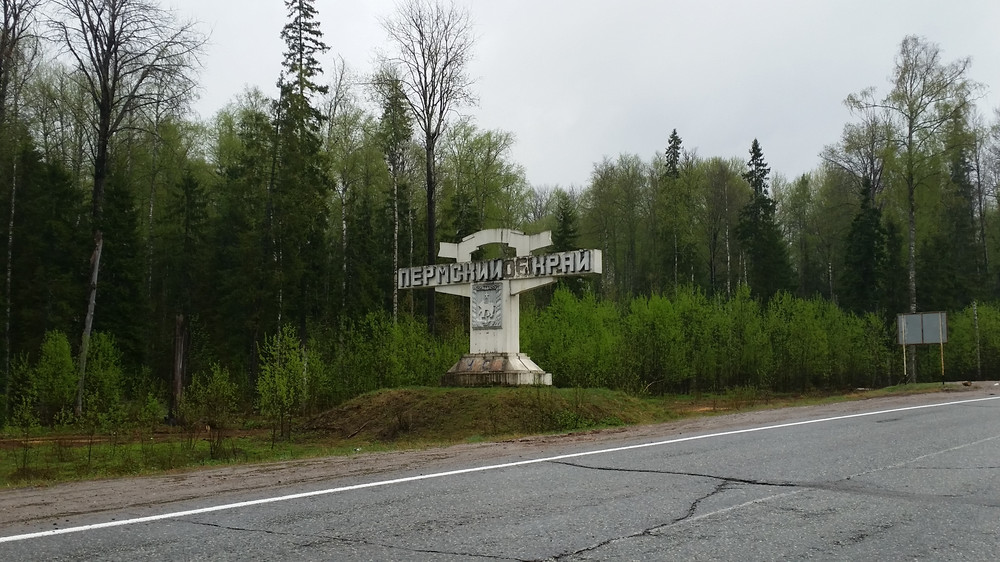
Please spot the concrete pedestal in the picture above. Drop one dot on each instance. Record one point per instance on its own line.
(495, 369)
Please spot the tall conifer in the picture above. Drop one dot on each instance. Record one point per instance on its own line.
(768, 268)
(297, 196)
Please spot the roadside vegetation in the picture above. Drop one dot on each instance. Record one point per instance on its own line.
(372, 384)
(384, 420)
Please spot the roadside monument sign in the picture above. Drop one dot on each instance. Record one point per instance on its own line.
(493, 288)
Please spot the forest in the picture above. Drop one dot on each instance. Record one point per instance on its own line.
(163, 265)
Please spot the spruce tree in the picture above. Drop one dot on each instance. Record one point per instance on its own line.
(948, 261)
(567, 223)
(123, 298)
(240, 256)
(298, 189)
(864, 280)
(673, 218)
(673, 156)
(46, 288)
(301, 69)
(758, 170)
(768, 269)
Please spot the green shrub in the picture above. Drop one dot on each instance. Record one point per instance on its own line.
(376, 352)
(580, 341)
(54, 377)
(211, 400)
(105, 377)
(24, 419)
(690, 343)
(281, 386)
(655, 344)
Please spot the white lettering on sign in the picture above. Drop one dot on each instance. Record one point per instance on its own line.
(575, 262)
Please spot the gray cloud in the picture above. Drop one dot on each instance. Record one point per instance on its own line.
(577, 80)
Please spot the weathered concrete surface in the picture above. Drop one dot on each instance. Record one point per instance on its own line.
(495, 369)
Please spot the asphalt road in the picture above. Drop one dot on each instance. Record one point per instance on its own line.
(916, 483)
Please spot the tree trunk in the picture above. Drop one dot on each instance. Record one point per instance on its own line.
(431, 224)
(675, 263)
(912, 267)
(395, 245)
(273, 213)
(152, 202)
(9, 277)
(411, 216)
(343, 249)
(981, 207)
(729, 267)
(729, 256)
(95, 268)
(713, 247)
(180, 351)
(97, 216)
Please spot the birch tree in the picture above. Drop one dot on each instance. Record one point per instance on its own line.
(123, 50)
(396, 132)
(864, 146)
(16, 42)
(433, 47)
(927, 94)
(16, 32)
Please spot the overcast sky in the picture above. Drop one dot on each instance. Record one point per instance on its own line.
(578, 80)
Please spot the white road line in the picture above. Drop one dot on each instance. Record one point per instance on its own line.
(380, 483)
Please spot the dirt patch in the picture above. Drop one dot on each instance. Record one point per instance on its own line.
(137, 495)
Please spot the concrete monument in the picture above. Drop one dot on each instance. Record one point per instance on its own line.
(493, 288)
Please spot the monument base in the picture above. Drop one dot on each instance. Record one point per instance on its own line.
(496, 369)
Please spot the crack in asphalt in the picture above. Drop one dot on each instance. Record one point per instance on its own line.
(327, 538)
(845, 485)
(646, 532)
(730, 479)
(722, 486)
(725, 483)
(842, 486)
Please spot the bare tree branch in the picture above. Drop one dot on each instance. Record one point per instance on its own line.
(433, 49)
(126, 53)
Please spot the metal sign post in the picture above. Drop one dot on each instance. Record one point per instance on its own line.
(923, 328)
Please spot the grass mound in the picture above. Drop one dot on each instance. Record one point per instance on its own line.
(455, 414)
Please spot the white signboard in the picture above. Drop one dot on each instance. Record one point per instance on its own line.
(922, 328)
(575, 262)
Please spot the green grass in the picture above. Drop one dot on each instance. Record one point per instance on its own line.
(404, 418)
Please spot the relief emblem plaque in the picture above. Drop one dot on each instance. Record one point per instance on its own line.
(486, 306)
